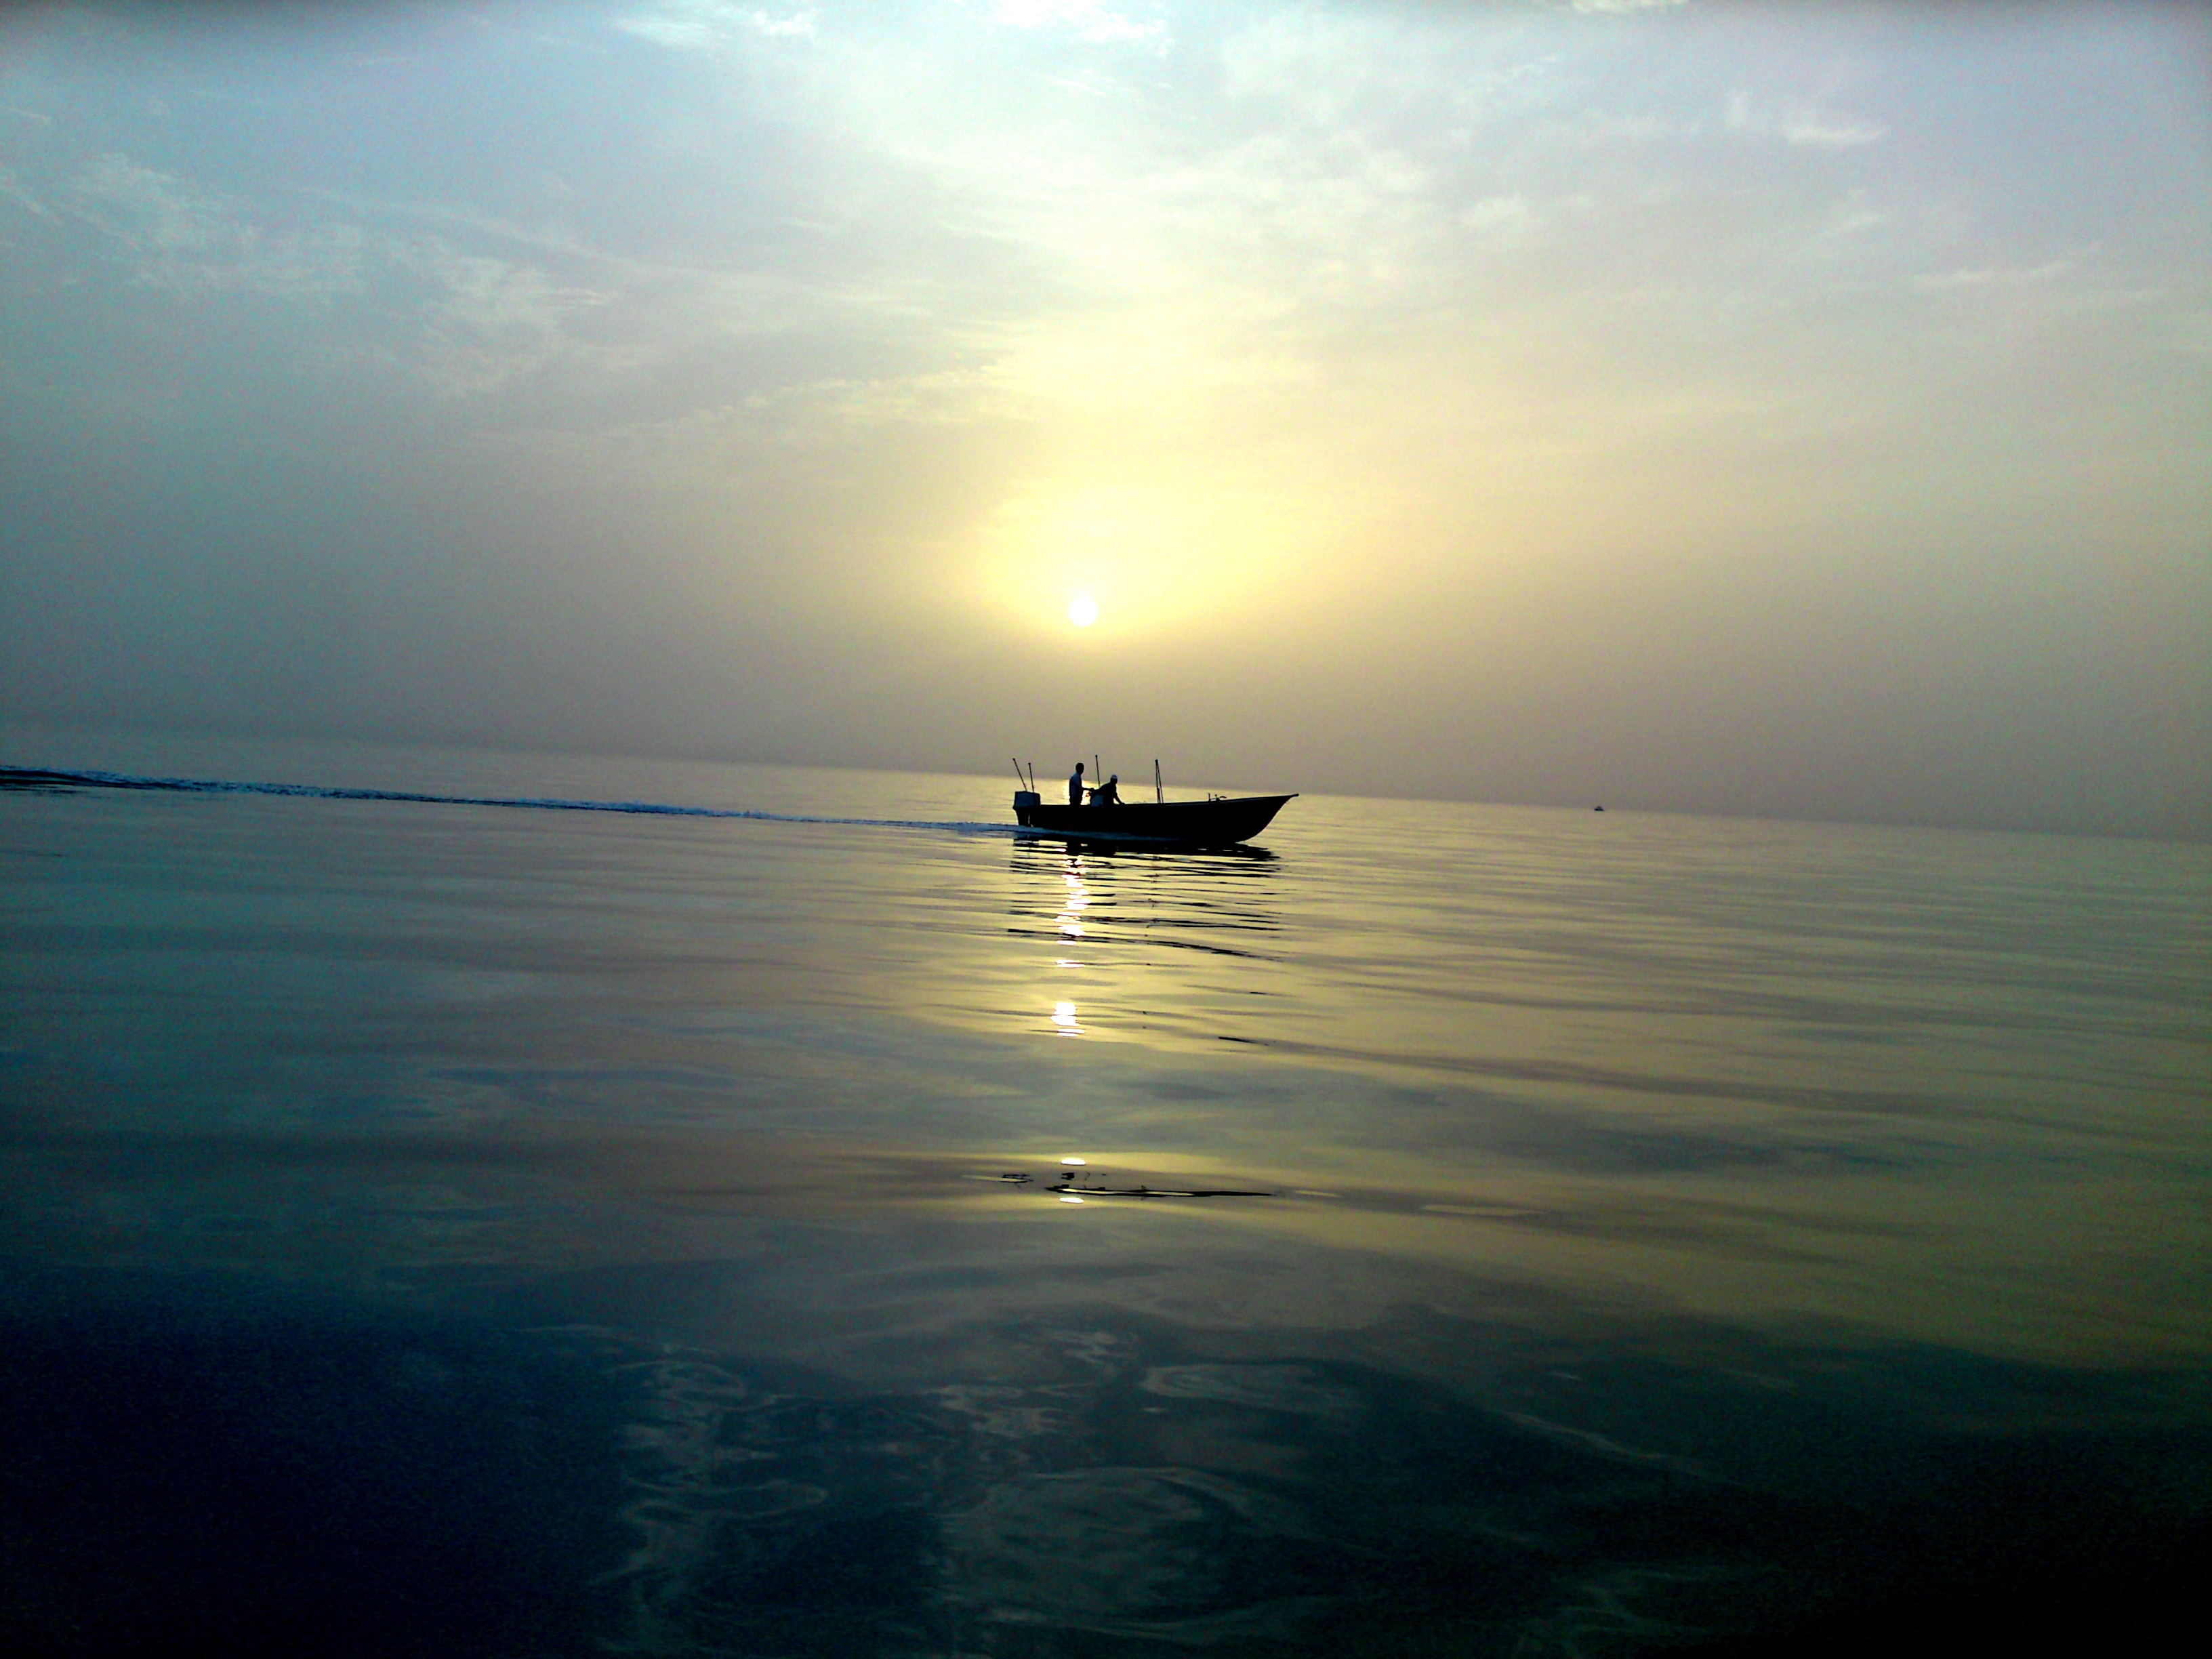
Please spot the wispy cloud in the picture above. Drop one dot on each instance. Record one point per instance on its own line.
(485, 321)
(1505, 217)
(1805, 126)
(15, 190)
(1086, 19)
(185, 238)
(1822, 132)
(1852, 217)
(694, 25)
(1994, 276)
(463, 321)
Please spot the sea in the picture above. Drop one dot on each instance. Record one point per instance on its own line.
(474, 1204)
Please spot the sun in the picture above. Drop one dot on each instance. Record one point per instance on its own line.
(1083, 610)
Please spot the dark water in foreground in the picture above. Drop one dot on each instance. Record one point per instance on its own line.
(461, 1230)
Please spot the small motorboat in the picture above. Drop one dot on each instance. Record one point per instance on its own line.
(1221, 821)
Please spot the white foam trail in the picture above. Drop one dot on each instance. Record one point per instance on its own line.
(48, 777)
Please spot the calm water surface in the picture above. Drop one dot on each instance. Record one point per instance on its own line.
(457, 1228)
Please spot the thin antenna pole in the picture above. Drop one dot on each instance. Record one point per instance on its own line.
(1018, 772)
(1159, 790)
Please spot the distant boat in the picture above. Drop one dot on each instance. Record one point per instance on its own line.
(1222, 822)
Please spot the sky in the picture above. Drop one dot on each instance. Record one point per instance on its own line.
(1729, 408)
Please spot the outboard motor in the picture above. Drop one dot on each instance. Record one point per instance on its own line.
(1026, 801)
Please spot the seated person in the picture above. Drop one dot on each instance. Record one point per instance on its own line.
(1107, 793)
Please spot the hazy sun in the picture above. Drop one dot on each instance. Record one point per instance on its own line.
(1083, 610)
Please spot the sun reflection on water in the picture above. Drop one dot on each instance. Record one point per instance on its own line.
(1078, 900)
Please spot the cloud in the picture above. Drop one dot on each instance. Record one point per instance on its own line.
(186, 240)
(16, 191)
(1818, 132)
(1506, 218)
(460, 320)
(154, 212)
(696, 25)
(483, 320)
(1993, 276)
(769, 425)
(1086, 19)
(1599, 127)
(1851, 216)
(1804, 126)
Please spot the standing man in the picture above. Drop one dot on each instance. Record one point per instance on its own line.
(1075, 786)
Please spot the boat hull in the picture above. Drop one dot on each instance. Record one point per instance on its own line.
(1177, 822)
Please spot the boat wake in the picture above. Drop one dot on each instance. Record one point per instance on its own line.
(41, 779)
